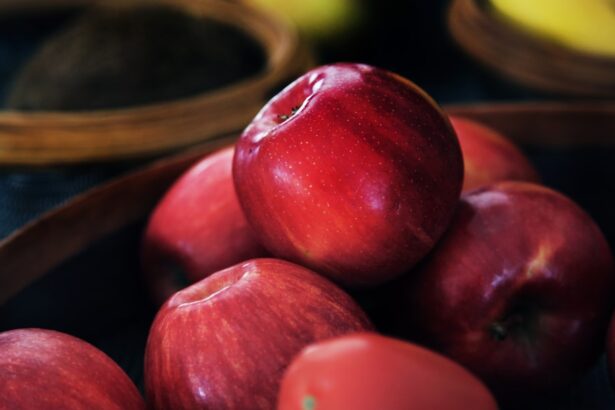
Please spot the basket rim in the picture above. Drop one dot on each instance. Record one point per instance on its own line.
(58, 137)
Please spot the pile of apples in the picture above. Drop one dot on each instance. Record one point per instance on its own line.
(500, 289)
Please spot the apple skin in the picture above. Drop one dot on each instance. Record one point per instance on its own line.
(225, 341)
(44, 369)
(488, 156)
(197, 228)
(352, 171)
(365, 371)
(519, 290)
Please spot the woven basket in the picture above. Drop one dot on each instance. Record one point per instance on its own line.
(53, 138)
(526, 59)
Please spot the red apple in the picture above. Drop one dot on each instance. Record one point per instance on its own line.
(225, 341)
(197, 228)
(488, 156)
(352, 171)
(44, 369)
(519, 290)
(365, 371)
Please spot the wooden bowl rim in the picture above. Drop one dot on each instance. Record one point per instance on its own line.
(58, 137)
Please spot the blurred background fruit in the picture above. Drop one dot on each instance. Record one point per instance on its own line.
(557, 48)
(319, 20)
(584, 25)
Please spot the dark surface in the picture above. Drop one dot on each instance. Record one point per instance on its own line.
(26, 194)
(99, 295)
(586, 175)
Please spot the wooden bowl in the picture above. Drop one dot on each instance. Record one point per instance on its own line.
(51, 273)
(526, 59)
(52, 138)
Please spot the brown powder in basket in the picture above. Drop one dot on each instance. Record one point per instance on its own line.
(118, 57)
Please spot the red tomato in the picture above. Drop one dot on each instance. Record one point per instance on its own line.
(365, 371)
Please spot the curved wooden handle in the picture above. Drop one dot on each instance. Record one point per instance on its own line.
(43, 244)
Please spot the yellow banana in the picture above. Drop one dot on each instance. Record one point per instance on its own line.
(584, 25)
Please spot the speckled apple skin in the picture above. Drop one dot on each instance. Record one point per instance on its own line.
(524, 255)
(197, 228)
(489, 156)
(43, 369)
(358, 183)
(224, 342)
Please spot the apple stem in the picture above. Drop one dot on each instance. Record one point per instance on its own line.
(519, 321)
(498, 331)
(293, 111)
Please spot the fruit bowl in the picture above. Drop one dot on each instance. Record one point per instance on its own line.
(76, 269)
(56, 138)
(527, 59)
